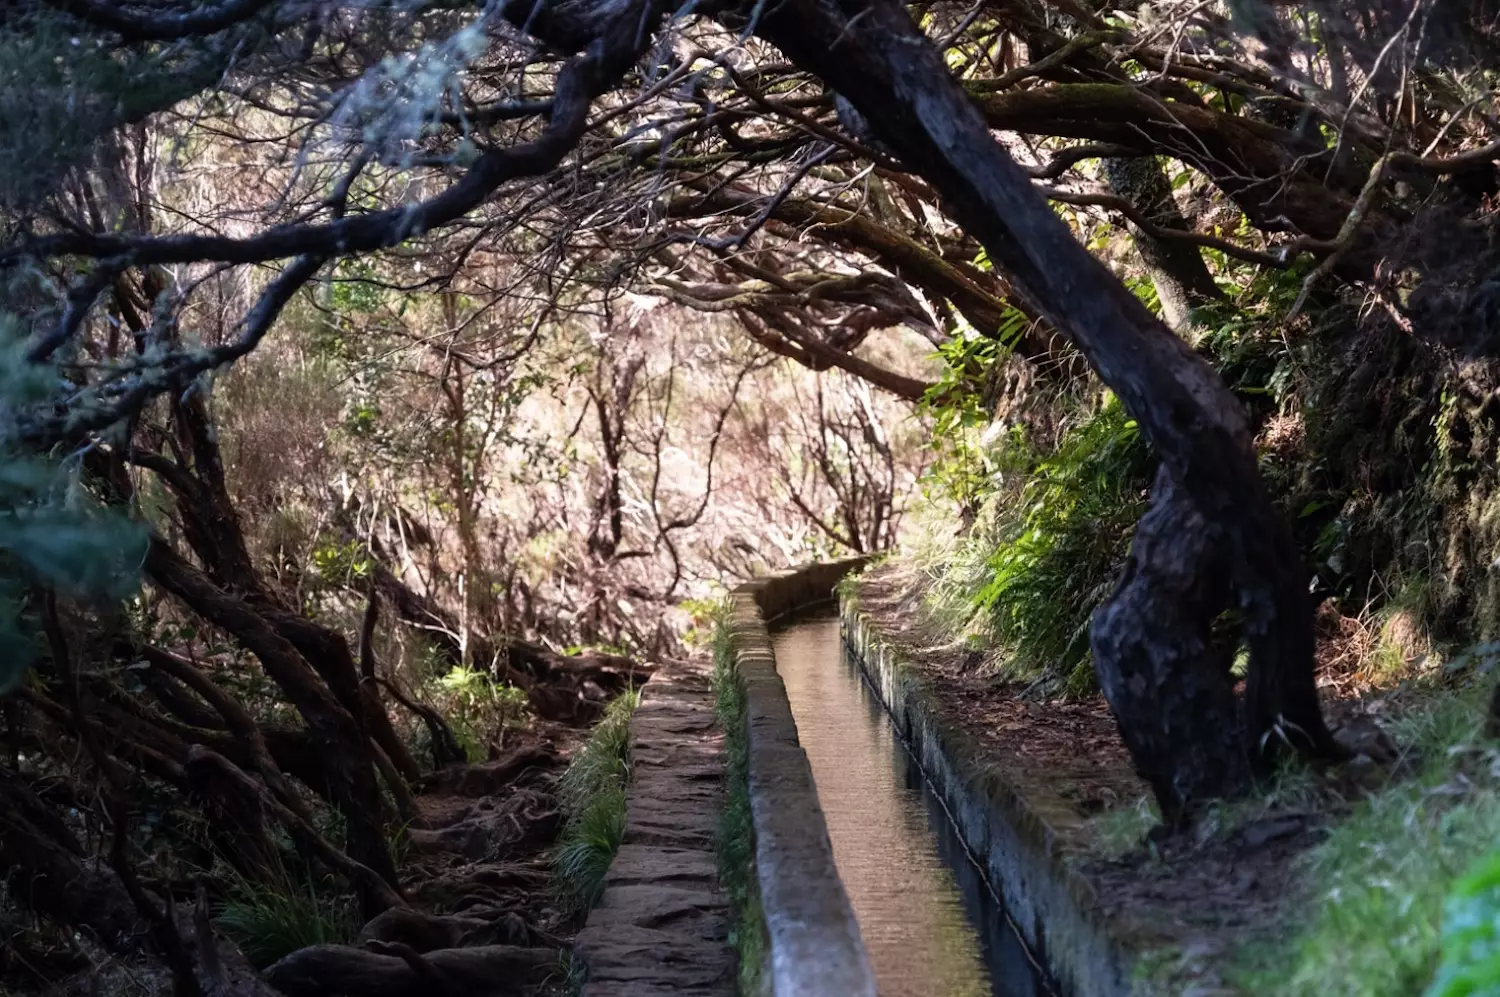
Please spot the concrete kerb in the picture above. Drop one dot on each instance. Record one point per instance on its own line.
(815, 948)
(1010, 830)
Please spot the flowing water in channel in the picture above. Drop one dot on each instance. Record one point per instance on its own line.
(931, 924)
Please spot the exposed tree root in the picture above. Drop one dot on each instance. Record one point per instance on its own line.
(479, 926)
(488, 778)
(484, 888)
(326, 970)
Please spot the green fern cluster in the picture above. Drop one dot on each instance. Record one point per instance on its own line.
(1062, 544)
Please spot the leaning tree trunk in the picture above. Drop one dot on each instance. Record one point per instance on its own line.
(873, 54)
(1154, 636)
(1177, 270)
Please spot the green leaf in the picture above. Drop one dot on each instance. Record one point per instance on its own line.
(82, 555)
(1470, 965)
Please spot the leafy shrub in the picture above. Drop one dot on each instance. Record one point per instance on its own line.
(75, 89)
(963, 470)
(476, 706)
(52, 531)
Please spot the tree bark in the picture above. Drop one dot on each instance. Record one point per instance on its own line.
(328, 651)
(1266, 171)
(348, 763)
(873, 54)
(1167, 684)
(981, 298)
(1176, 268)
(484, 971)
(235, 817)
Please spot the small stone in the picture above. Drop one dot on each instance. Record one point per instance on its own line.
(1260, 832)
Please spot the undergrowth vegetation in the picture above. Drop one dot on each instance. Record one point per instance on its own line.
(271, 920)
(736, 841)
(1061, 544)
(1391, 495)
(1051, 496)
(476, 707)
(1046, 544)
(1471, 934)
(1376, 887)
(592, 794)
(372, 387)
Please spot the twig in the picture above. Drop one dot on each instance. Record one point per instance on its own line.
(1347, 231)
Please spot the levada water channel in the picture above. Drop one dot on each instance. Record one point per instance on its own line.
(931, 923)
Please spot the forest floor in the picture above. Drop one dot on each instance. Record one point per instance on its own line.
(476, 868)
(1218, 907)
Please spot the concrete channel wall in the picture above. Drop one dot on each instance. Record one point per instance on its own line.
(1009, 833)
(814, 943)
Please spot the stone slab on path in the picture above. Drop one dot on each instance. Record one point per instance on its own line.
(661, 928)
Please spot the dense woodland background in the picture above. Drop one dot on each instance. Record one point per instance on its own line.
(386, 385)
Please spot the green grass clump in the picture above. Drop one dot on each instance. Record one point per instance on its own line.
(736, 841)
(588, 846)
(1373, 915)
(269, 921)
(1471, 934)
(604, 759)
(1117, 832)
(592, 793)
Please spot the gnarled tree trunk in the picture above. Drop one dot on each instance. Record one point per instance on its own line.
(1167, 683)
(347, 759)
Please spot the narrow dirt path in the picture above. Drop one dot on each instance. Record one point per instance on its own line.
(662, 926)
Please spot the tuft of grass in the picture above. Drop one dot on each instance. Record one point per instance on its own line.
(269, 921)
(1118, 832)
(736, 839)
(1403, 638)
(572, 973)
(592, 793)
(1371, 920)
(604, 759)
(588, 846)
